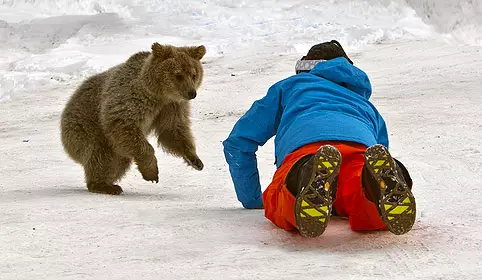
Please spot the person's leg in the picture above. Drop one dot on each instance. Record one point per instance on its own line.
(388, 184)
(279, 199)
(350, 197)
(315, 192)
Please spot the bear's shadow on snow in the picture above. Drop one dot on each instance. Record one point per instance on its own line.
(72, 191)
(44, 192)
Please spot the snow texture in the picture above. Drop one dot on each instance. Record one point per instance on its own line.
(424, 58)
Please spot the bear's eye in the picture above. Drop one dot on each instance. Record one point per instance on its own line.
(194, 76)
(179, 76)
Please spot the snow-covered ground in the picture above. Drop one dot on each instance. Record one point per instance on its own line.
(424, 59)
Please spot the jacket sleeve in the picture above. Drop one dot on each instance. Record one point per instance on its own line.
(252, 130)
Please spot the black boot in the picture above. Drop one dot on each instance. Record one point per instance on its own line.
(313, 181)
(299, 174)
(387, 183)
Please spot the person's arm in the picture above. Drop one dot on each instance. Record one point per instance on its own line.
(252, 130)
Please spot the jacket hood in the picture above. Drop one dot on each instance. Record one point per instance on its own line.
(341, 72)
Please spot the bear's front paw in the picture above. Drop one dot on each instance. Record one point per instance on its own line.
(195, 162)
(149, 172)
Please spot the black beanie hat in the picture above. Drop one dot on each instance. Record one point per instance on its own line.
(326, 51)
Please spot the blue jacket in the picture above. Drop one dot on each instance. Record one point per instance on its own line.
(329, 103)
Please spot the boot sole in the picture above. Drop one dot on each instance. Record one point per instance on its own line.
(397, 206)
(313, 204)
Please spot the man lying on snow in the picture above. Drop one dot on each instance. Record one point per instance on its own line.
(323, 124)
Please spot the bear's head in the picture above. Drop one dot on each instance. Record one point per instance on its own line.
(174, 72)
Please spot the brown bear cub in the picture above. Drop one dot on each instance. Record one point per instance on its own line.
(105, 123)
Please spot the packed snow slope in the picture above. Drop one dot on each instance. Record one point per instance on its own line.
(424, 58)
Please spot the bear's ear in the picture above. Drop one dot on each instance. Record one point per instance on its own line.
(196, 52)
(162, 52)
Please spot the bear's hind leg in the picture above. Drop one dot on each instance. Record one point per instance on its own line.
(103, 169)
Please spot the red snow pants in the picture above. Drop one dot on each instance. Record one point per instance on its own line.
(350, 198)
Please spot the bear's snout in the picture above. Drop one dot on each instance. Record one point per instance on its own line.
(191, 94)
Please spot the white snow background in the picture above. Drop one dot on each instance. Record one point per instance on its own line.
(424, 58)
